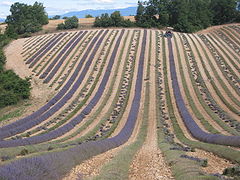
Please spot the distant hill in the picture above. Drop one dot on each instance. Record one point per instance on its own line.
(81, 14)
(2, 20)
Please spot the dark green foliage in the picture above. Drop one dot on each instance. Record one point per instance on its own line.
(2, 60)
(60, 26)
(232, 171)
(114, 20)
(70, 23)
(186, 15)
(50, 148)
(12, 88)
(10, 32)
(23, 152)
(223, 11)
(4, 40)
(25, 19)
(56, 17)
(88, 16)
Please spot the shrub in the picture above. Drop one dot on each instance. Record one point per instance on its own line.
(13, 88)
(56, 17)
(70, 23)
(23, 152)
(232, 171)
(88, 16)
(61, 26)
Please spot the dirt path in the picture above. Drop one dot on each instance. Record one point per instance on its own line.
(78, 59)
(228, 34)
(193, 94)
(188, 84)
(230, 52)
(212, 159)
(76, 93)
(126, 112)
(72, 53)
(149, 162)
(210, 87)
(217, 69)
(46, 60)
(35, 45)
(177, 115)
(102, 113)
(66, 71)
(232, 46)
(92, 167)
(106, 108)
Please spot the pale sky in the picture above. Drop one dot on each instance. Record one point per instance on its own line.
(55, 7)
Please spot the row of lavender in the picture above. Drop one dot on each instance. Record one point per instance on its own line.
(191, 125)
(59, 99)
(70, 125)
(55, 165)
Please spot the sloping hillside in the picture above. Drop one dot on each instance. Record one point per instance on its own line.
(127, 104)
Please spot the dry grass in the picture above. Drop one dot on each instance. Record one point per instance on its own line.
(52, 25)
(83, 22)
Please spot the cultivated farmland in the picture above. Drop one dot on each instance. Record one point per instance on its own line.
(125, 104)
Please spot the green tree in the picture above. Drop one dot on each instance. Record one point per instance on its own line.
(186, 15)
(224, 11)
(56, 17)
(26, 18)
(114, 20)
(88, 16)
(70, 23)
(103, 21)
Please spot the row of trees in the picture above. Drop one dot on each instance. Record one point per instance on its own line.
(114, 20)
(186, 15)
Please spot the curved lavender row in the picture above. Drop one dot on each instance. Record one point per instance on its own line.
(47, 43)
(70, 41)
(56, 68)
(8, 130)
(191, 125)
(70, 125)
(45, 49)
(55, 165)
(35, 61)
(62, 54)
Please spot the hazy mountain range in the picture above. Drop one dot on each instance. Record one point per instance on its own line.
(81, 14)
(2, 20)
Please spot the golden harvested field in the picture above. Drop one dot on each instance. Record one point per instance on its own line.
(84, 23)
